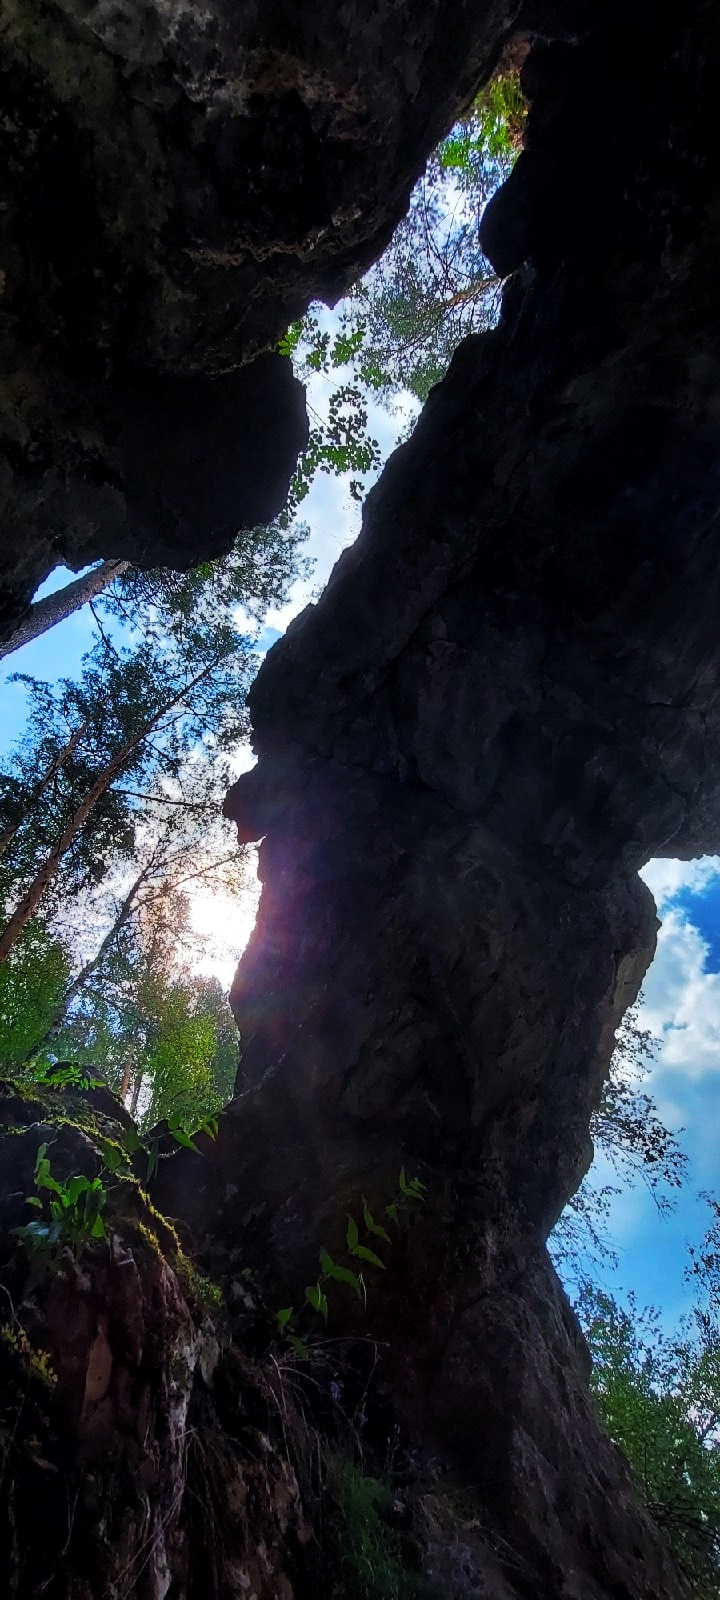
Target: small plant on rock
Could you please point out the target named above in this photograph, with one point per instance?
(72, 1212)
(360, 1239)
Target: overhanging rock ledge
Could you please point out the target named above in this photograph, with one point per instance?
(177, 182)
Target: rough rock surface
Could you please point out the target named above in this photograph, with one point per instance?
(177, 183)
(135, 1456)
(505, 702)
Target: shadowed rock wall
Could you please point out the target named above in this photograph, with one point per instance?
(504, 703)
(178, 182)
(506, 700)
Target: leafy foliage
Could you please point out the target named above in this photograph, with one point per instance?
(166, 1039)
(359, 1239)
(95, 749)
(36, 1363)
(339, 443)
(659, 1399)
(493, 131)
(627, 1129)
(704, 1268)
(75, 1209)
(402, 322)
(190, 1053)
(110, 809)
(255, 574)
(134, 714)
(32, 982)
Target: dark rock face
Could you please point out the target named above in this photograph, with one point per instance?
(505, 702)
(177, 183)
(132, 1447)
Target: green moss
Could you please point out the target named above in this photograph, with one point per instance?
(130, 1211)
(196, 1286)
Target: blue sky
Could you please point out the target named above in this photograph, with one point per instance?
(58, 654)
(681, 1006)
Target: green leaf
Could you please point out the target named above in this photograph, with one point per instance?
(315, 1297)
(344, 1275)
(352, 1233)
(132, 1141)
(326, 1261)
(112, 1156)
(392, 1212)
(43, 1175)
(34, 1200)
(298, 1345)
(373, 1226)
(411, 1187)
(290, 340)
(33, 1234)
(285, 1316)
(181, 1137)
(74, 1188)
(363, 1254)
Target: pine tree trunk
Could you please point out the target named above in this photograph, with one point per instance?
(55, 766)
(137, 1086)
(124, 1089)
(45, 874)
(56, 607)
(86, 972)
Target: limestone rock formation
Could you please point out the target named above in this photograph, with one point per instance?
(505, 702)
(178, 182)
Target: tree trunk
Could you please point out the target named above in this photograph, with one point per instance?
(56, 607)
(91, 966)
(45, 874)
(135, 1099)
(57, 762)
(124, 1089)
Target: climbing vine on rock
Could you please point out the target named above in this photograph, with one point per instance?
(361, 1253)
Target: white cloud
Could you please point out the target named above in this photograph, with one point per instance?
(666, 879)
(682, 1000)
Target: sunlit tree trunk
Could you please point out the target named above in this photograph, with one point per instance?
(56, 607)
(48, 870)
(135, 1099)
(124, 913)
(58, 761)
(124, 1089)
